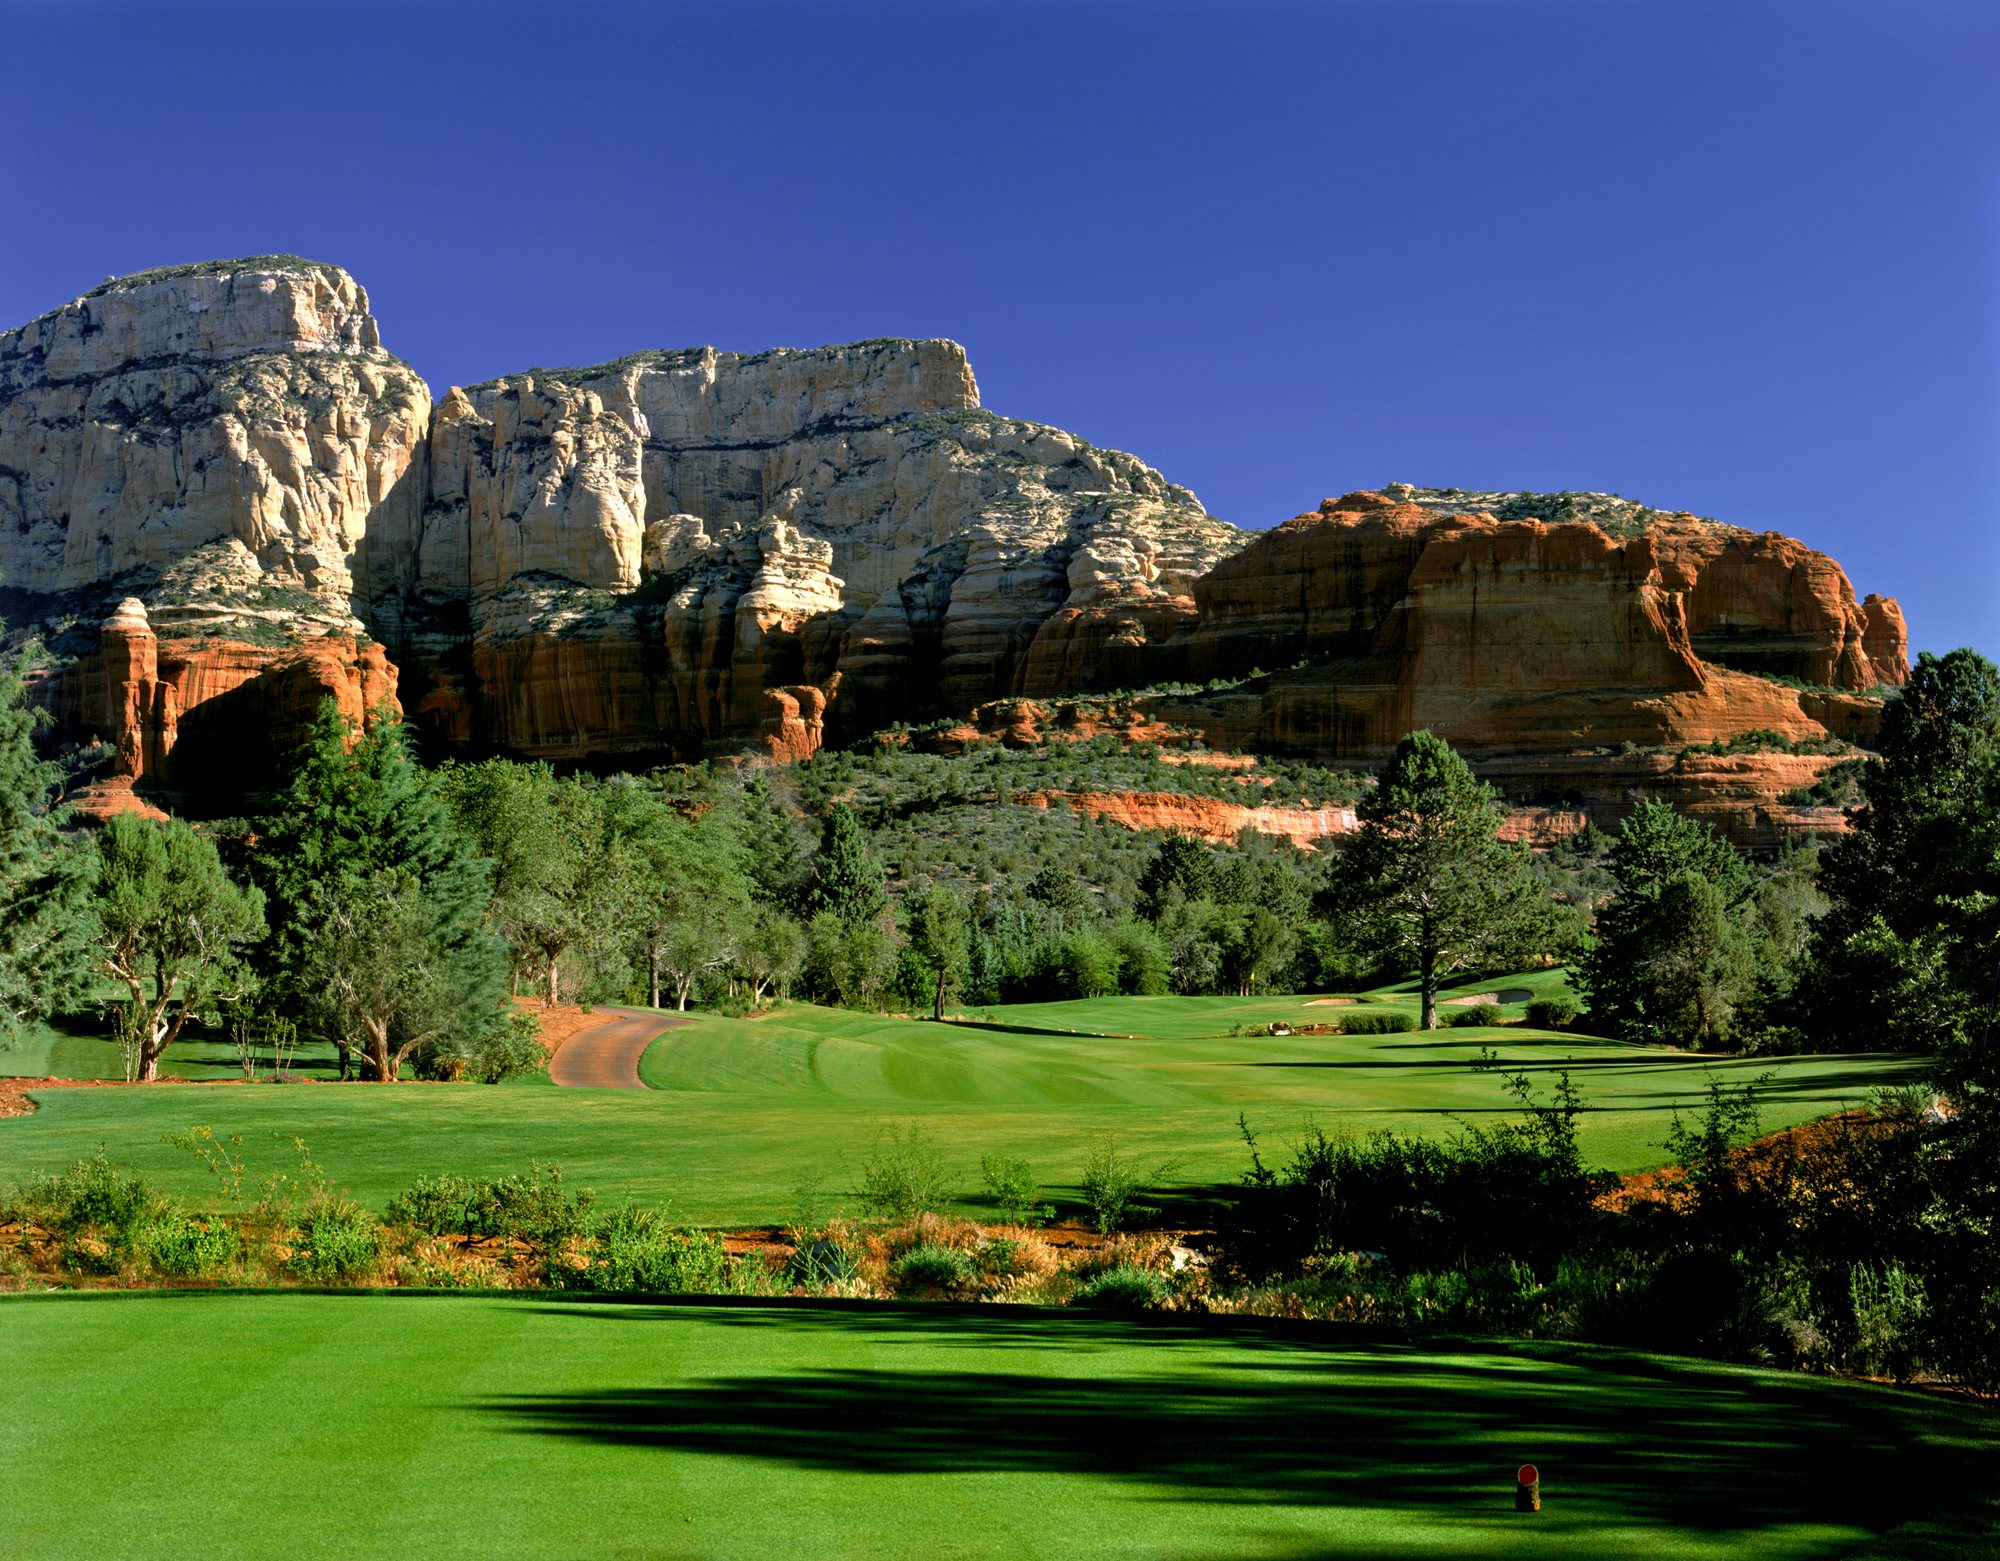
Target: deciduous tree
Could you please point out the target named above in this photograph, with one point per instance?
(172, 930)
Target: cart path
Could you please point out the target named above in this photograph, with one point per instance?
(606, 1056)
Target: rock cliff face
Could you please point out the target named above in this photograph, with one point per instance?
(1551, 654)
(683, 553)
(207, 715)
(844, 531)
(194, 421)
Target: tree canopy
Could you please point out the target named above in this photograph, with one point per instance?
(1425, 880)
(46, 913)
(381, 942)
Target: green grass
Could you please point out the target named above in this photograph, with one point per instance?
(741, 1112)
(78, 1047)
(365, 1425)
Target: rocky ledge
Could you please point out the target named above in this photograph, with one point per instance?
(694, 552)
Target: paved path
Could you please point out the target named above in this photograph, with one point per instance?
(606, 1056)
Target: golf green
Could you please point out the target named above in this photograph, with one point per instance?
(362, 1425)
(742, 1112)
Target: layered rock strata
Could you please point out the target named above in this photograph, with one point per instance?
(843, 531)
(207, 714)
(686, 553)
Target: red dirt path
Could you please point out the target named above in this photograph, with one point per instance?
(606, 1056)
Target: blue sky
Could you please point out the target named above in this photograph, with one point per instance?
(1738, 258)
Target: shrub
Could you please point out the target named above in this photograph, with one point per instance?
(432, 1205)
(1123, 1289)
(1111, 1183)
(1558, 1012)
(929, 1269)
(1476, 1014)
(636, 1249)
(337, 1239)
(184, 1247)
(1377, 1024)
(1888, 1319)
(532, 1206)
(821, 1260)
(905, 1176)
(92, 1194)
(1011, 1182)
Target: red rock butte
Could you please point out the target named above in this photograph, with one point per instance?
(223, 501)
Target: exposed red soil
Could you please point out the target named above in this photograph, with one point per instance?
(561, 1021)
(1645, 1186)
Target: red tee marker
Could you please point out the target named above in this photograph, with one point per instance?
(1528, 1489)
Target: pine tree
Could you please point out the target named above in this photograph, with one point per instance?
(846, 878)
(45, 909)
(1905, 955)
(366, 874)
(1426, 881)
(1673, 952)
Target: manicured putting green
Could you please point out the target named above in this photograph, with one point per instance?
(742, 1112)
(367, 1425)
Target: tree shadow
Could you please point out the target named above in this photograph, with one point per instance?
(1246, 1412)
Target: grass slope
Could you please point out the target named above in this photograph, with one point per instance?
(367, 1425)
(741, 1112)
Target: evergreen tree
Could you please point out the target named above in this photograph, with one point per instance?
(1182, 869)
(367, 875)
(770, 842)
(1673, 954)
(1905, 955)
(1425, 881)
(846, 878)
(45, 906)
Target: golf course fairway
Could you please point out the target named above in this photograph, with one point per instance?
(741, 1112)
(366, 1425)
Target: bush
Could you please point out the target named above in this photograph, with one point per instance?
(531, 1206)
(183, 1247)
(1011, 1182)
(92, 1194)
(1476, 1014)
(1377, 1024)
(1111, 1183)
(930, 1269)
(433, 1205)
(337, 1239)
(1512, 1190)
(1888, 1320)
(1554, 1013)
(905, 1176)
(1123, 1289)
(821, 1260)
(636, 1249)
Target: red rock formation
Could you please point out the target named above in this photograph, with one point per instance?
(201, 713)
(1206, 818)
(1886, 640)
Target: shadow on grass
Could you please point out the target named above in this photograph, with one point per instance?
(1245, 1412)
(1037, 1029)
